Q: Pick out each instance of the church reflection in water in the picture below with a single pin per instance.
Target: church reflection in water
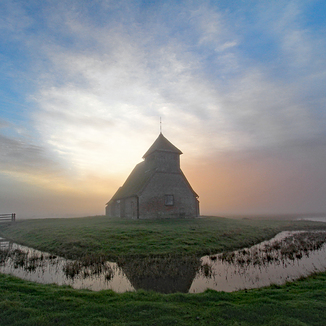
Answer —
(161, 274)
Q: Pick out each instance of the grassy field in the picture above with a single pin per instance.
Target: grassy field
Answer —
(23, 303)
(112, 238)
(295, 304)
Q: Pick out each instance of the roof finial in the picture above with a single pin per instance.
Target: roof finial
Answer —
(160, 125)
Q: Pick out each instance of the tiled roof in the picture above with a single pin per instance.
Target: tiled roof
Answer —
(162, 144)
(136, 181)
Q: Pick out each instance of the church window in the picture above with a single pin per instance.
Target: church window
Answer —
(169, 200)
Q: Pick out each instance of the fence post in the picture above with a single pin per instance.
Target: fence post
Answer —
(13, 217)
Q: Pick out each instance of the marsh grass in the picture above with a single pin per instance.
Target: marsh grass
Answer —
(87, 267)
(22, 259)
(293, 247)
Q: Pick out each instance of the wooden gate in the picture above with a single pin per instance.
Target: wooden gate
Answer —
(8, 217)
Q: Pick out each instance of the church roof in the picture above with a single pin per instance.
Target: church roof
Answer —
(136, 181)
(162, 144)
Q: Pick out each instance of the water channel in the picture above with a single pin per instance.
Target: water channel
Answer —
(287, 257)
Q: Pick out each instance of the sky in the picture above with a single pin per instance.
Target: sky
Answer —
(239, 86)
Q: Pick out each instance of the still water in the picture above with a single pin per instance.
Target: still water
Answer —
(314, 218)
(287, 257)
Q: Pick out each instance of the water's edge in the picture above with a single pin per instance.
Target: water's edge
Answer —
(286, 257)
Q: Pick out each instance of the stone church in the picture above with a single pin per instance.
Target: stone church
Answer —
(156, 188)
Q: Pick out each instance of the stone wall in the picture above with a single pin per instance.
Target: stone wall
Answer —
(164, 161)
(126, 207)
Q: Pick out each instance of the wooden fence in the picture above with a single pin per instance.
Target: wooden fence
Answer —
(8, 217)
(5, 244)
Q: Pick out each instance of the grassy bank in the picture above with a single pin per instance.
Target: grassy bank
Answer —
(112, 238)
(299, 303)
(23, 303)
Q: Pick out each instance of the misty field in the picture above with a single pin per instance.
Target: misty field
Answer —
(302, 302)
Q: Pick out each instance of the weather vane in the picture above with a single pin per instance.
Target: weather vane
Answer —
(160, 125)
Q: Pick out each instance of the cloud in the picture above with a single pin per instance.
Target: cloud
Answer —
(129, 79)
(13, 18)
(16, 154)
(4, 124)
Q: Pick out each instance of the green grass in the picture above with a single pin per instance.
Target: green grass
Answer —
(299, 303)
(24, 303)
(112, 238)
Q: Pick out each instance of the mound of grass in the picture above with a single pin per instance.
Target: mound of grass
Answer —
(112, 238)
